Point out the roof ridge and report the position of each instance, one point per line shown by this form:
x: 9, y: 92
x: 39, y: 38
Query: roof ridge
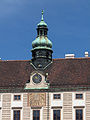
x: 70, y: 58
x: 13, y: 60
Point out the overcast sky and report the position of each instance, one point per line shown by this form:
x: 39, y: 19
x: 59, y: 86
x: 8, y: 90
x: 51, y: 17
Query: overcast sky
x: 68, y: 22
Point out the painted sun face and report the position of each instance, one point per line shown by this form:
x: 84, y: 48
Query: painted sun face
x: 37, y: 78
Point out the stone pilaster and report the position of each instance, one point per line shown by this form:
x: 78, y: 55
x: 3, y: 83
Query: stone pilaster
x: 67, y: 106
x: 6, y: 107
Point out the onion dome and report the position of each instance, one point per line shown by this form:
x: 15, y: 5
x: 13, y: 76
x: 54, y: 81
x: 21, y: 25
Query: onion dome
x: 41, y: 47
x: 42, y: 41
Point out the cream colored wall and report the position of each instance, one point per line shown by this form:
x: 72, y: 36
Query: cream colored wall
x: 6, y: 106
x: 88, y: 105
x: 16, y: 103
x: 26, y: 108
x: 67, y: 102
x: 0, y: 114
x: 46, y: 115
x: 79, y: 103
x: 0, y: 97
x: 67, y: 106
x: 0, y: 106
x: 56, y: 102
x: 0, y: 100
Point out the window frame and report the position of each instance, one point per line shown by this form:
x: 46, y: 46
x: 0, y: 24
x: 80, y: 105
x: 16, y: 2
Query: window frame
x: 17, y: 97
x: 60, y: 113
x: 82, y: 113
x: 16, y: 110
x: 79, y: 98
x: 35, y: 110
x: 57, y: 98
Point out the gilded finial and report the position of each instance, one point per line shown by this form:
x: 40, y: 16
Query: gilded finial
x: 42, y: 15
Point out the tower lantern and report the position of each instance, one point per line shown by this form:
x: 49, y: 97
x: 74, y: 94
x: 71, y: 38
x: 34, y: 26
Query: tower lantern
x: 41, y: 46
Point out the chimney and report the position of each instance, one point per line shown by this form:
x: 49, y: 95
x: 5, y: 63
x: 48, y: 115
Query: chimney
x: 86, y: 54
x: 68, y: 56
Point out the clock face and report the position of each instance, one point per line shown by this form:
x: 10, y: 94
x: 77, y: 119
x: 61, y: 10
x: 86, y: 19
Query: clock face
x: 37, y: 78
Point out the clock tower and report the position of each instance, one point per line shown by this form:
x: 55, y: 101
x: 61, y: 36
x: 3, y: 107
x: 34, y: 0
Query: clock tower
x: 41, y: 47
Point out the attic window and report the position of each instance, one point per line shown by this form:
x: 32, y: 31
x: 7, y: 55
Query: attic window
x: 79, y: 96
x: 17, y: 97
x: 56, y: 96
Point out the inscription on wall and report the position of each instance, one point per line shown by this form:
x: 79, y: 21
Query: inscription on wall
x: 37, y: 99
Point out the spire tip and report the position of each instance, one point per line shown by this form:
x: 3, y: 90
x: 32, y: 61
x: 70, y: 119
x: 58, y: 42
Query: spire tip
x: 42, y: 12
x: 42, y: 15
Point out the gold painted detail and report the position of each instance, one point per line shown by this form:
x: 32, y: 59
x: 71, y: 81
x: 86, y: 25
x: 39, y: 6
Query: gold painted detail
x: 37, y: 99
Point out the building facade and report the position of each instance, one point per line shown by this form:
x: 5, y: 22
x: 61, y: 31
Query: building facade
x: 44, y: 88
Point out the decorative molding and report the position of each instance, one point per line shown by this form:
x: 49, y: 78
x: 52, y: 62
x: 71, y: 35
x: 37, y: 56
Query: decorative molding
x: 36, y: 107
x: 33, y: 65
x: 79, y: 106
x: 56, y: 107
x: 16, y: 107
x: 47, y: 65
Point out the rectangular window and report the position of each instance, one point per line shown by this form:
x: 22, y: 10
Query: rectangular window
x: 16, y: 115
x: 79, y: 114
x: 56, y: 114
x: 56, y: 96
x: 17, y: 97
x: 79, y: 96
x: 36, y: 114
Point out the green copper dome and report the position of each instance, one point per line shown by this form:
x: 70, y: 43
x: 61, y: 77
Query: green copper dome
x: 42, y: 41
x: 41, y: 47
